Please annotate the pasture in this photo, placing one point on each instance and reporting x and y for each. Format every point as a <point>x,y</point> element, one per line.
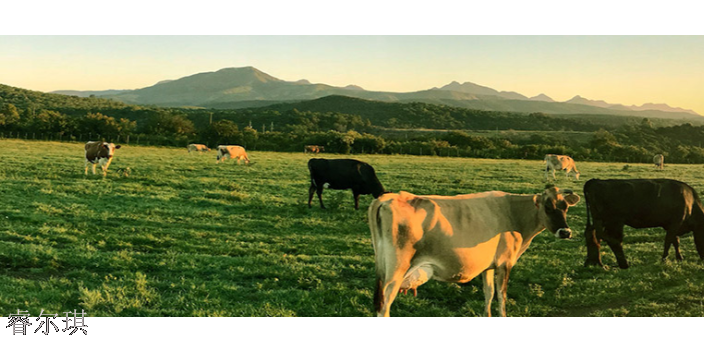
<point>183,236</point>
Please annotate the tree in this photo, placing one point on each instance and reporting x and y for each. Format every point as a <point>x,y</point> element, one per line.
<point>249,136</point>
<point>98,124</point>
<point>168,124</point>
<point>9,116</point>
<point>222,132</point>
<point>48,121</point>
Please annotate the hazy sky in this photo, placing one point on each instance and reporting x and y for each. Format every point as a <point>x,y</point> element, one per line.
<point>617,69</point>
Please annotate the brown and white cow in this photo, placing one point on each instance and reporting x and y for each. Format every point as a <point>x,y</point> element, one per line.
<point>659,161</point>
<point>560,162</point>
<point>100,153</point>
<point>454,239</point>
<point>232,152</point>
<point>197,148</point>
<point>313,149</point>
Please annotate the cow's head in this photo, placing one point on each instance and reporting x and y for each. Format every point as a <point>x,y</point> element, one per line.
<point>110,149</point>
<point>552,207</point>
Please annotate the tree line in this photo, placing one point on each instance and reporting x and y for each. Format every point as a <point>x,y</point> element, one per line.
<point>348,125</point>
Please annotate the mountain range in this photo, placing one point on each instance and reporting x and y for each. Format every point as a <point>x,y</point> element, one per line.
<point>243,87</point>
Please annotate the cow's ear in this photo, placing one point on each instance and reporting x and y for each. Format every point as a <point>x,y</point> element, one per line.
<point>536,200</point>
<point>572,199</point>
<point>118,146</point>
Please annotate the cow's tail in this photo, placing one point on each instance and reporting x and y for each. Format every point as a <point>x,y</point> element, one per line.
<point>587,195</point>
<point>697,220</point>
<point>381,241</point>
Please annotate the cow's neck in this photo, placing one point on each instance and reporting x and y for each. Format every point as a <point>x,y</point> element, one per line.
<point>526,219</point>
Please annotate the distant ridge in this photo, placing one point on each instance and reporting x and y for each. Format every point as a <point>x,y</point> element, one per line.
<point>241,87</point>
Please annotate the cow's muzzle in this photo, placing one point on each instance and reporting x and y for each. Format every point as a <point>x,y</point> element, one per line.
<point>563,233</point>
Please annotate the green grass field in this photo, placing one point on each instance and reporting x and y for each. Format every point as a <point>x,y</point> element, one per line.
<point>183,236</point>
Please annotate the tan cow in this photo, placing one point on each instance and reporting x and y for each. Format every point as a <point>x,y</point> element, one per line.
<point>232,152</point>
<point>313,149</point>
<point>100,153</point>
<point>197,148</point>
<point>454,239</point>
<point>560,162</point>
<point>659,161</point>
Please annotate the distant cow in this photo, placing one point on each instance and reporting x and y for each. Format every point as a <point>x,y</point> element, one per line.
<point>659,161</point>
<point>100,153</point>
<point>232,152</point>
<point>197,148</point>
<point>343,174</point>
<point>560,162</point>
<point>313,149</point>
<point>640,203</point>
<point>454,239</point>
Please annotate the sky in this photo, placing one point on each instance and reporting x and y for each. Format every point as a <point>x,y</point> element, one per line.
<point>617,69</point>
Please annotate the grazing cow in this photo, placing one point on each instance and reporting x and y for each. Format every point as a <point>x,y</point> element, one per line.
<point>197,148</point>
<point>313,149</point>
<point>560,162</point>
<point>343,174</point>
<point>454,239</point>
<point>659,161</point>
<point>232,152</point>
<point>100,153</point>
<point>640,203</point>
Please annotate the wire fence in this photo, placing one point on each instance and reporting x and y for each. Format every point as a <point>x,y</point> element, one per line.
<point>139,139</point>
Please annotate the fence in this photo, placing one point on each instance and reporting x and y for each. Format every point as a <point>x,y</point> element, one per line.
<point>139,139</point>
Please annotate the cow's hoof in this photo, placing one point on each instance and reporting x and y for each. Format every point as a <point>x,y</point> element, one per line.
<point>623,266</point>
<point>593,263</point>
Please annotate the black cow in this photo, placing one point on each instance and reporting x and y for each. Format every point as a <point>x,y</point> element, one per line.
<point>343,174</point>
<point>640,203</point>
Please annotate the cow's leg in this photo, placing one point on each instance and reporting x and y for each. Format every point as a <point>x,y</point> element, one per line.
<point>94,165</point>
<point>104,164</point>
<point>390,290</point>
<point>614,238</point>
<point>676,244</point>
<point>501,286</point>
<point>488,280</point>
<point>87,164</point>
<point>671,238</point>
<point>390,294</point>
<point>311,191</point>
<point>356,200</point>
<point>698,235</point>
<point>593,245</point>
<point>319,190</point>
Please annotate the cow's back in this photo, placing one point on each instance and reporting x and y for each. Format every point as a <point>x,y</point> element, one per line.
<point>338,173</point>
<point>93,151</point>
<point>639,203</point>
<point>475,217</point>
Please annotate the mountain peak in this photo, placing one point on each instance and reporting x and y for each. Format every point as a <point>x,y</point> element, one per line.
<point>248,74</point>
<point>469,87</point>
<point>542,97</point>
